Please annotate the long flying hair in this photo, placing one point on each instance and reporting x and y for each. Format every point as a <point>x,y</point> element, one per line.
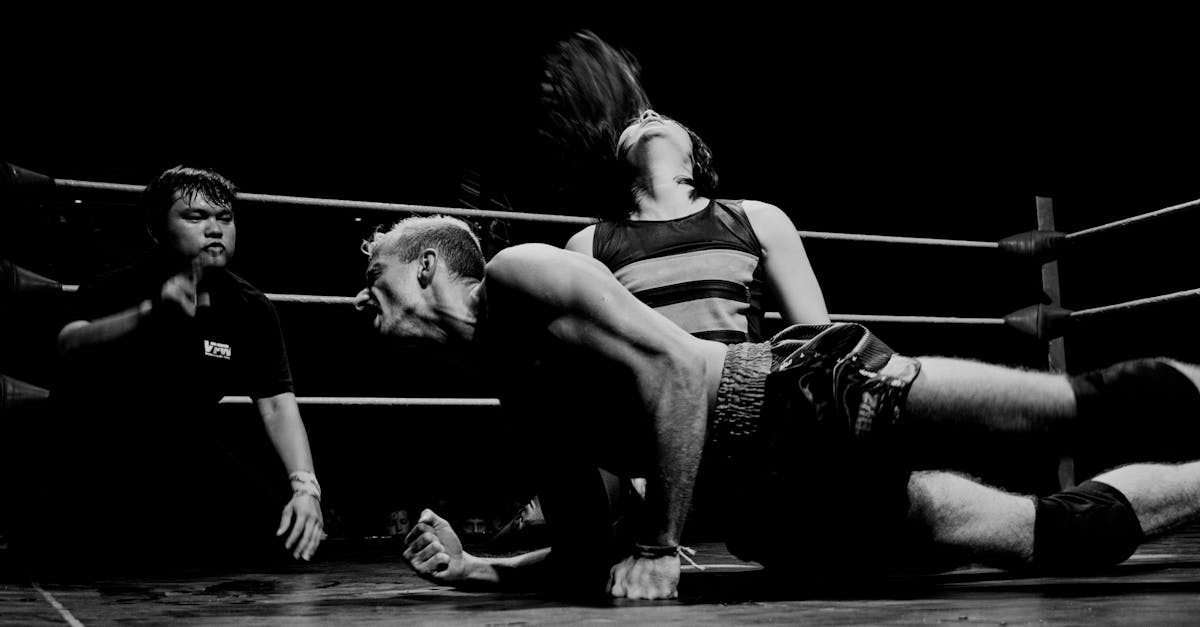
<point>590,92</point>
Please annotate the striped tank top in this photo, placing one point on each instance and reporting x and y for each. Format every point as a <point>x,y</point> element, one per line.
<point>703,271</point>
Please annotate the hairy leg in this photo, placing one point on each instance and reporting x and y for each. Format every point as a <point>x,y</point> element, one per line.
<point>969,393</point>
<point>959,392</point>
<point>1162,495</point>
<point>998,528</point>
<point>975,521</point>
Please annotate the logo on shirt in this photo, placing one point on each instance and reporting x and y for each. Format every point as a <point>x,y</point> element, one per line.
<point>217,349</point>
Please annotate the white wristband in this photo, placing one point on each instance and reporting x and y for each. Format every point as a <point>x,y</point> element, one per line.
<point>305,482</point>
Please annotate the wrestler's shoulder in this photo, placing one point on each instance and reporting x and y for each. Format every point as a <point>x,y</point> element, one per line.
<point>522,254</point>
<point>767,220</point>
<point>522,262</point>
<point>758,207</point>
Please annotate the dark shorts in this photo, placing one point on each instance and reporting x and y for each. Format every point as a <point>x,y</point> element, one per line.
<point>1089,526</point>
<point>1134,411</point>
<point>800,444</point>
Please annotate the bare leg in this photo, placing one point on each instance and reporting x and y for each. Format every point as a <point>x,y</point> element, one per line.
<point>959,392</point>
<point>1162,495</point>
<point>980,522</point>
<point>997,528</point>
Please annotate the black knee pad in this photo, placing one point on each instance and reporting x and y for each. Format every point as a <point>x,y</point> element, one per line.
<point>1143,410</point>
<point>1089,526</point>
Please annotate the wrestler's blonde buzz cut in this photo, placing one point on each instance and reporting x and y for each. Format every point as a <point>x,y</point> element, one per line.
<point>454,239</point>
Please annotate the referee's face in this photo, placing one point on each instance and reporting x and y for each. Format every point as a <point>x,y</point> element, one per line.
<point>197,229</point>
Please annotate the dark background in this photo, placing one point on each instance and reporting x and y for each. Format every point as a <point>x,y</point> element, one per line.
<point>936,124</point>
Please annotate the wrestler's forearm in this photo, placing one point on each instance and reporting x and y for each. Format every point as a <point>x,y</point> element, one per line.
<point>83,334</point>
<point>281,419</point>
<point>680,425</point>
<point>513,571</point>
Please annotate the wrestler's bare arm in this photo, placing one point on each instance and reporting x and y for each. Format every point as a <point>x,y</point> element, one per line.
<point>593,311</point>
<point>789,272</point>
<point>179,293</point>
<point>435,552</point>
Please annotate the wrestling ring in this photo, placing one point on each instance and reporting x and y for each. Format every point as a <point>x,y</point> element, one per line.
<point>365,581</point>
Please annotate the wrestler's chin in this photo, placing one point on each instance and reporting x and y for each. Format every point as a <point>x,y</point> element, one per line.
<point>412,341</point>
<point>397,334</point>
<point>214,257</point>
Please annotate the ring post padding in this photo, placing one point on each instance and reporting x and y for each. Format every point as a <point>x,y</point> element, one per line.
<point>16,282</point>
<point>16,181</point>
<point>1041,321</point>
<point>1038,246</point>
<point>15,394</point>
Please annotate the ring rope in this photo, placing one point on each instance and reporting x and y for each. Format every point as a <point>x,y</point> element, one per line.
<point>95,185</point>
<point>310,299</point>
<point>1165,298</point>
<point>355,204</point>
<point>913,319</point>
<point>775,315</point>
<point>368,401</point>
<point>770,315</point>
<point>513,215</point>
<point>563,219</point>
<point>896,239</point>
<point>1132,220</point>
<point>427,209</point>
<point>315,299</point>
<point>538,217</point>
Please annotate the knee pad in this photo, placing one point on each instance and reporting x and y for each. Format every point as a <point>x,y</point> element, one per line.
<point>1143,410</point>
<point>1089,526</point>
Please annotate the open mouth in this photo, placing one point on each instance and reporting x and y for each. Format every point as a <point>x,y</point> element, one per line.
<point>373,317</point>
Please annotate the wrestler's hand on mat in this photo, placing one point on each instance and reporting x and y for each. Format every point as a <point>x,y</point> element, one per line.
<point>434,550</point>
<point>645,578</point>
<point>303,515</point>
